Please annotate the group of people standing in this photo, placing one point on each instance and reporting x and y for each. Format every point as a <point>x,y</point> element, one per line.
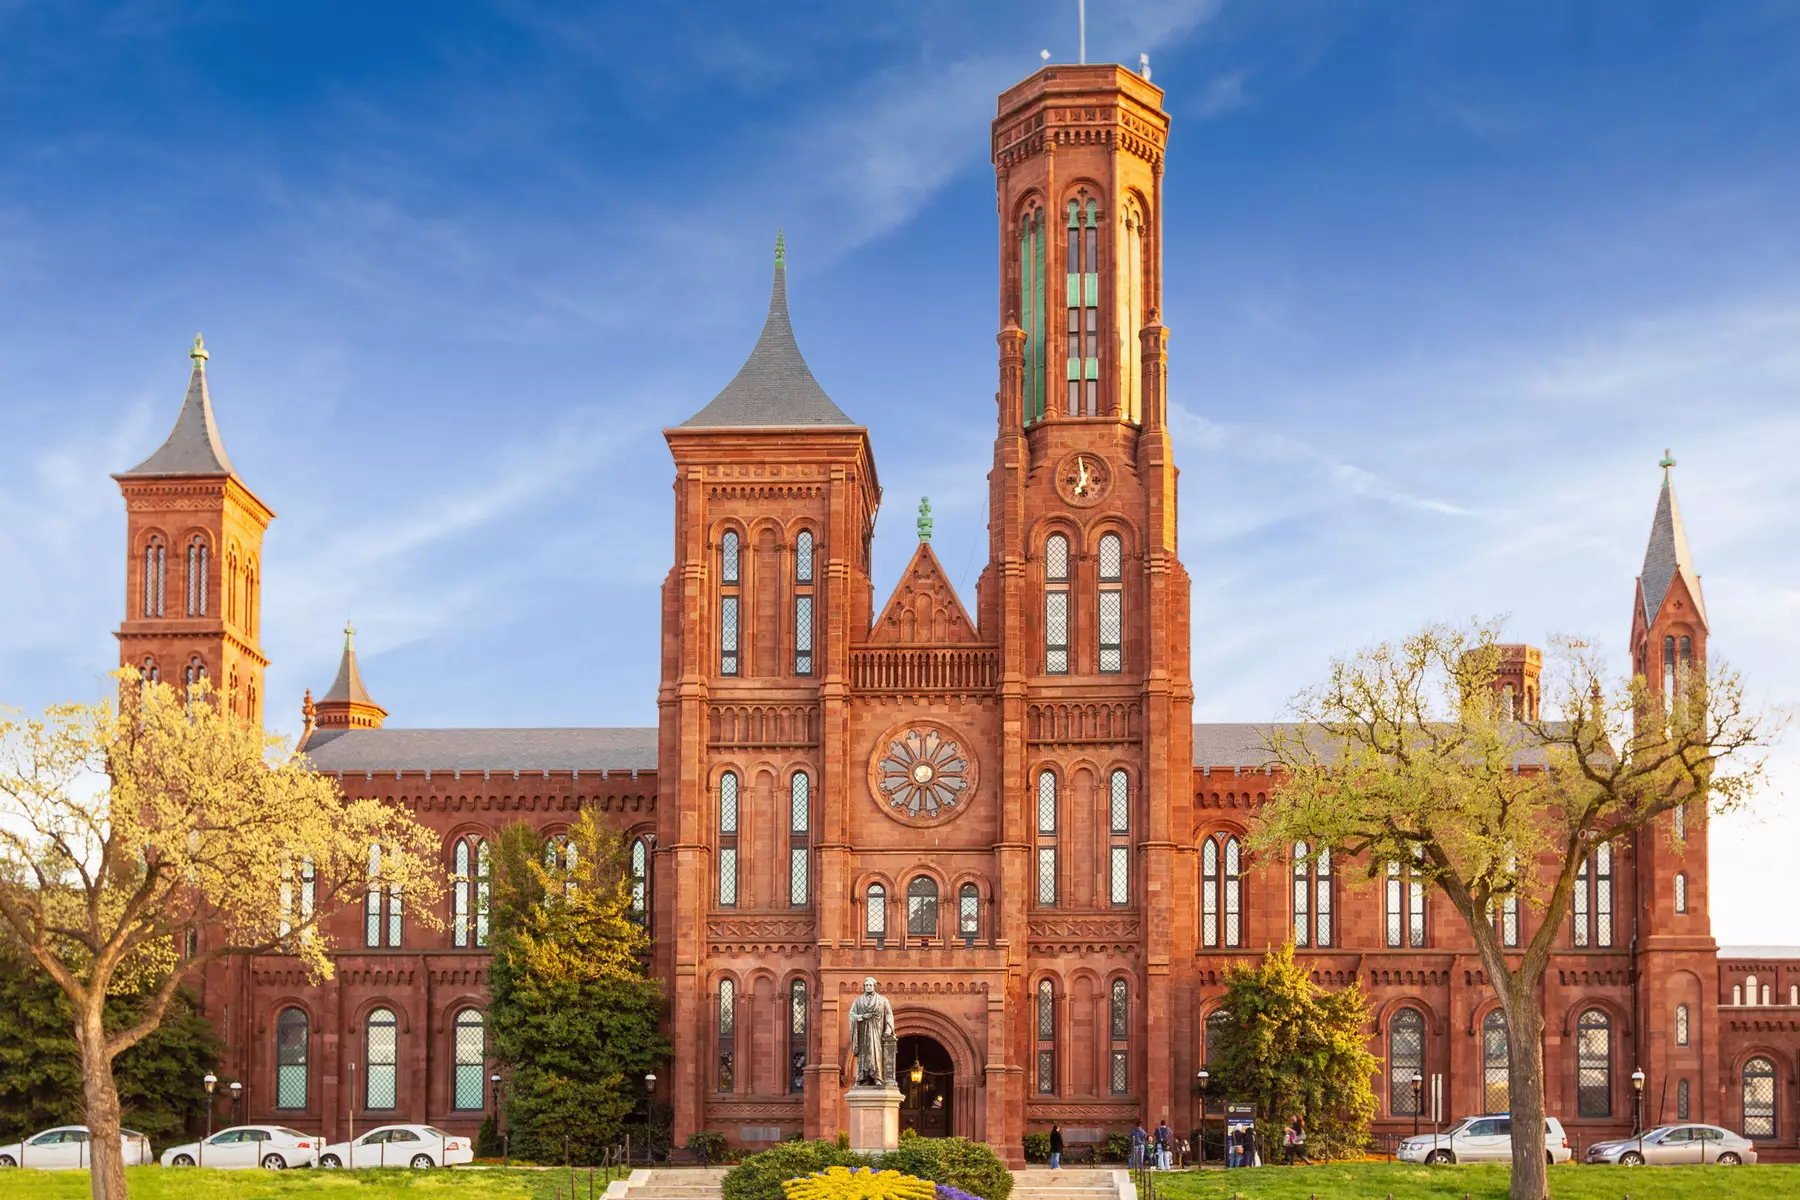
<point>1158,1150</point>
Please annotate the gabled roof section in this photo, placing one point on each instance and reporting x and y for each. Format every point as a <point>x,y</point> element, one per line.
<point>193,447</point>
<point>923,608</point>
<point>774,388</point>
<point>1666,558</point>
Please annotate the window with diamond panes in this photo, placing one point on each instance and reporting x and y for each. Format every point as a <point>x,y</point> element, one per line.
<point>1046,1036</point>
<point>1209,893</point>
<point>1112,604</point>
<point>968,910</point>
<point>1681,1100</point>
<point>197,567</point>
<point>921,907</point>
<point>291,1045</point>
<point>1759,1098</point>
<point>381,1047</point>
<point>1119,793</point>
<point>1681,1024</point>
<point>1312,896</point>
<point>799,845</point>
<point>1405,894</point>
<point>1593,907</point>
<point>1680,892</point>
<point>1593,1064</point>
<point>467,1092</point>
<point>1046,823</point>
<point>1056,605</point>
<point>728,840</point>
<point>297,885</point>
<point>469,893</point>
<point>1406,1058</point>
<point>1121,1035</point>
<point>875,919</point>
<point>727,1034</point>
<point>383,918</point>
<point>1496,1059</point>
<point>640,880</point>
<point>729,599</point>
<point>155,576</point>
<point>803,603</point>
<point>797,1037</point>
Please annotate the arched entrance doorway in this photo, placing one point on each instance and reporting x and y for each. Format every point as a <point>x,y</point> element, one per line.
<point>927,1100</point>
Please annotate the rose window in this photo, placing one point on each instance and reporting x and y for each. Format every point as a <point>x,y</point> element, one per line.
<point>923,773</point>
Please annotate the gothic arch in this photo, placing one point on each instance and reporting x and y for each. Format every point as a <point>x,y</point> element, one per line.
<point>1434,1021</point>
<point>359,1016</point>
<point>1615,1011</point>
<point>946,1031</point>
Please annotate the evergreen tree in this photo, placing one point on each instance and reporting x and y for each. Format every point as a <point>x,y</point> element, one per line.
<point>573,1012</point>
<point>1295,1049</point>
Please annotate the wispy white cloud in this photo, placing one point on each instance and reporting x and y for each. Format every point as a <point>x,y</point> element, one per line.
<point>1225,93</point>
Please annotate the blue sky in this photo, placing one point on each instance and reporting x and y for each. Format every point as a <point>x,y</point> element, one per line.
<point>1444,279</point>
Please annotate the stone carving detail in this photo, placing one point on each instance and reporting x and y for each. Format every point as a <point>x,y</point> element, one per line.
<point>922,773</point>
<point>760,929</point>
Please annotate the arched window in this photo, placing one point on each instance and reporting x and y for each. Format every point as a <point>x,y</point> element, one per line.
<point>155,576</point>
<point>728,840</point>
<point>1794,993</point>
<point>381,1049</point>
<point>297,885</point>
<point>1057,617</point>
<point>727,1033</point>
<point>1046,1038</point>
<point>195,674</point>
<point>196,577</point>
<point>922,907</point>
<point>1209,893</point>
<point>1312,896</point>
<point>803,603</point>
<point>382,909</point>
<point>1111,612</point>
<point>1681,1100</point>
<point>1046,827</point>
<point>1406,1058</point>
<point>290,1059</point>
<point>467,1088</point>
<point>1121,1038</point>
<point>1593,1064</point>
<point>799,839</point>
<point>797,1037</point>
<point>469,892</point>
<point>1405,894</point>
<point>1031,310</point>
<point>1765,995</point>
<point>1680,892</point>
<point>1221,890</point>
<point>640,880</point>
<point>968,912</point>
<point>1083,266</point>
<point>1594,899</point>
<point>148,673</point>
<point>1749,989</point>
<point>1496,1060</point>
<point>728,603</point>
<point>1681,1024</point>
<point>1759,1098</point>
<point>1668,687</point>
<point>1737,993</point>
<point>1218,1025</point>
<point>875,918</point>
<point>1678,816</point>
<point>1119,862</point>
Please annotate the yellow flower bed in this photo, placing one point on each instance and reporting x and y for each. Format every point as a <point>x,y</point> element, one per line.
<point>842,1183</point>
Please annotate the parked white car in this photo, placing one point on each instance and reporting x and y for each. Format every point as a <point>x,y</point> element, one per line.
<point>65,1148</point>
<point>400,1146</point>
<point>273,1146</point>
<point>1480,1139</point>
<point>1676,1144</point>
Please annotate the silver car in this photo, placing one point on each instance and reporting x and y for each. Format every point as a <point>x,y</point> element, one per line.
<point>1675,1144</point>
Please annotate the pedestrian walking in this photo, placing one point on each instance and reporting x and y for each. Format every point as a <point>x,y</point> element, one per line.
<point>1139,1136</point>
<point>1163,1136</point>
<point>1056,1147</point>
<point>1296,1143</point>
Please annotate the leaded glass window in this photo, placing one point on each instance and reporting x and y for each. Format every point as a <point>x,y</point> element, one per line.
<point>1593,1064</point>
<point>1302,896</point>
<point>797,1037</point>
<point>1681,1100</point>
<point>728,840</point>
<point>728,557</point>
<point>381,1059</point>
<point>291,1044</point>
<point>803,559</point>
<point>1046,823</point>
<point>968,910</point>
<point>1759,1098</point>
<point>728,635</point>
<point>1680,892</point>
<point>469,892</point>
<point>155,576</point>
<point>1046,875</point>
<point>1396,913</point>
<point>1121,802</point>
<point>1603,895</point>
<point>727,1034</point>
<point>1046,1036</point>
<point>1583,909</point>
<point>1056,605</point>
<point>468,1089</point>
<point>875,920</point>
<point>1209,893</point>
<point>640,880</point>
<point>1234,890</point>
<point>1406,1058</point>
<point>922,907</point>
<point>1678,816</point>
<point>382,910</point>
<point>1111,612</point>
<point>1218,1026</point>
<point>1121,1037</point>
<point>1496,1059</point>
<point>196,578</point>
<point>799,848</point>
<point>1119,868</point>
<point>803,634</point>
<point>1681,1024</point>
<point>1032,304</point>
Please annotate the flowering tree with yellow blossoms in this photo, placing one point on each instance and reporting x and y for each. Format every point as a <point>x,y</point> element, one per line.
<point>128,827</point>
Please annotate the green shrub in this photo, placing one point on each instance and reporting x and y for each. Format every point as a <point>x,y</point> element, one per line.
<point>711,1144</point>
<point>958,1162</point>
<point>1037,1147</point>
<point>760,1176</point>
<point>487,1142</point>
<point>1117,1147</point>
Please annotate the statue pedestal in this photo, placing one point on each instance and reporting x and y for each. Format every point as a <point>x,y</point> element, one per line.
<point>874,1119</point>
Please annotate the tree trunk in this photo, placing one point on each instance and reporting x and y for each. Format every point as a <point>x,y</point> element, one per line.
<point>104,1150</point>
<point>1525,1080</point>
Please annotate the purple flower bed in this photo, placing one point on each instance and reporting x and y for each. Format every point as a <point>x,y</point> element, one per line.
<point>946,1192</point>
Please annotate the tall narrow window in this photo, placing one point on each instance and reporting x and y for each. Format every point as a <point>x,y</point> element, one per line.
<point>1681,1100</point>
<point>155,576</point>
<point>1234,890</point>
<point>1678,817</point>
<point>803,603</point>
<point>1496,1059</point>
<point>1594,899</point>
<point>382,915</point>
<point>922,907</point>
<point>290,1059</point>
<point>727,1034</point>
<point>1112,604</point>
<point>640,880</point>
<point>1415,901</point>
<point>1681,1024</point>
<point>1031,311</point>
<point>462,890</point>
<point>1583,905</point>
<point>1056,605</point>
<point>1312,896</point>
<point>1129,271</point>
<point>1593,1064</point>
<point>1680,892</point>
<point>1302,897</point>
<point>196,577</point>
<point>1046,827</point>
<point>1046,1038</point>
<point>1121,1038</point>
<point>1509,921</point>
<point>381,1048</point>
<point>799,839</point>
<point>1406,1058</point>
<point>1120,848</point>
<point>728,840</point>
<point>1083,268</point>
<point>467,1088</point>
<point>1668,687</point>
<point>875,914</point>
<point>1209,893</point>
<point>797,1037</point>
<point>1396,905</point>
<point>1218,1025</point>
<point>968,911</point>
<point>1749,989</point>
<point>1759,1098</point>
<point>729,600</point>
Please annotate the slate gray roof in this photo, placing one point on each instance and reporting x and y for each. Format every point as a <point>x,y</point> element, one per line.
<point>193,446</point>
<point>1667,556</point>
<point>774,388</point>
<point>349,750</point>
<point>1234,745</point>
<point>1759,952</point>
<point>349,685</point>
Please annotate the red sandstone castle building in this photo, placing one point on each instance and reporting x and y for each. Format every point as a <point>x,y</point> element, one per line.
<point>1003,811</point>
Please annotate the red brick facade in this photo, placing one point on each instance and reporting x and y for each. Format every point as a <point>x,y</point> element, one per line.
<point>1007,817</point>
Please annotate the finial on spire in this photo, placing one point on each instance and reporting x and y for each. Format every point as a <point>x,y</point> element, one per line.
<point>780,249</point>
<point>349,635</point>
<point>1667,461</point>
<point>924,518</point>
<point>198,353</point>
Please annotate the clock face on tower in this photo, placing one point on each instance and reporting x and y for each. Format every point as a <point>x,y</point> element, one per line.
<point>920,773</point>
<point>1083,478</point>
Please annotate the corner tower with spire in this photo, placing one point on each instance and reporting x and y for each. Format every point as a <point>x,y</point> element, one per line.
<point>193,576</point>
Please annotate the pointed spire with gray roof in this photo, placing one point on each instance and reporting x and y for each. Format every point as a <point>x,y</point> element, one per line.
<point>348,705</point>
<point>193,447</point>
<point>774,388</point>
<point>1666,558</point>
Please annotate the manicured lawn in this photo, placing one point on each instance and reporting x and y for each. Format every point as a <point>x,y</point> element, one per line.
<point>157,1183</point>
<point>1376,1181</point>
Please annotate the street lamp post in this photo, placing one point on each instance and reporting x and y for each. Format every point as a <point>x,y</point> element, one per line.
<point>1637,1106</point>
<point>237,1094</point>
<point>209,1081</point>
<point>649,1111</point>
<point>1418,1087</point>
<point>499,1121</point>
<point>1200,1078</point>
